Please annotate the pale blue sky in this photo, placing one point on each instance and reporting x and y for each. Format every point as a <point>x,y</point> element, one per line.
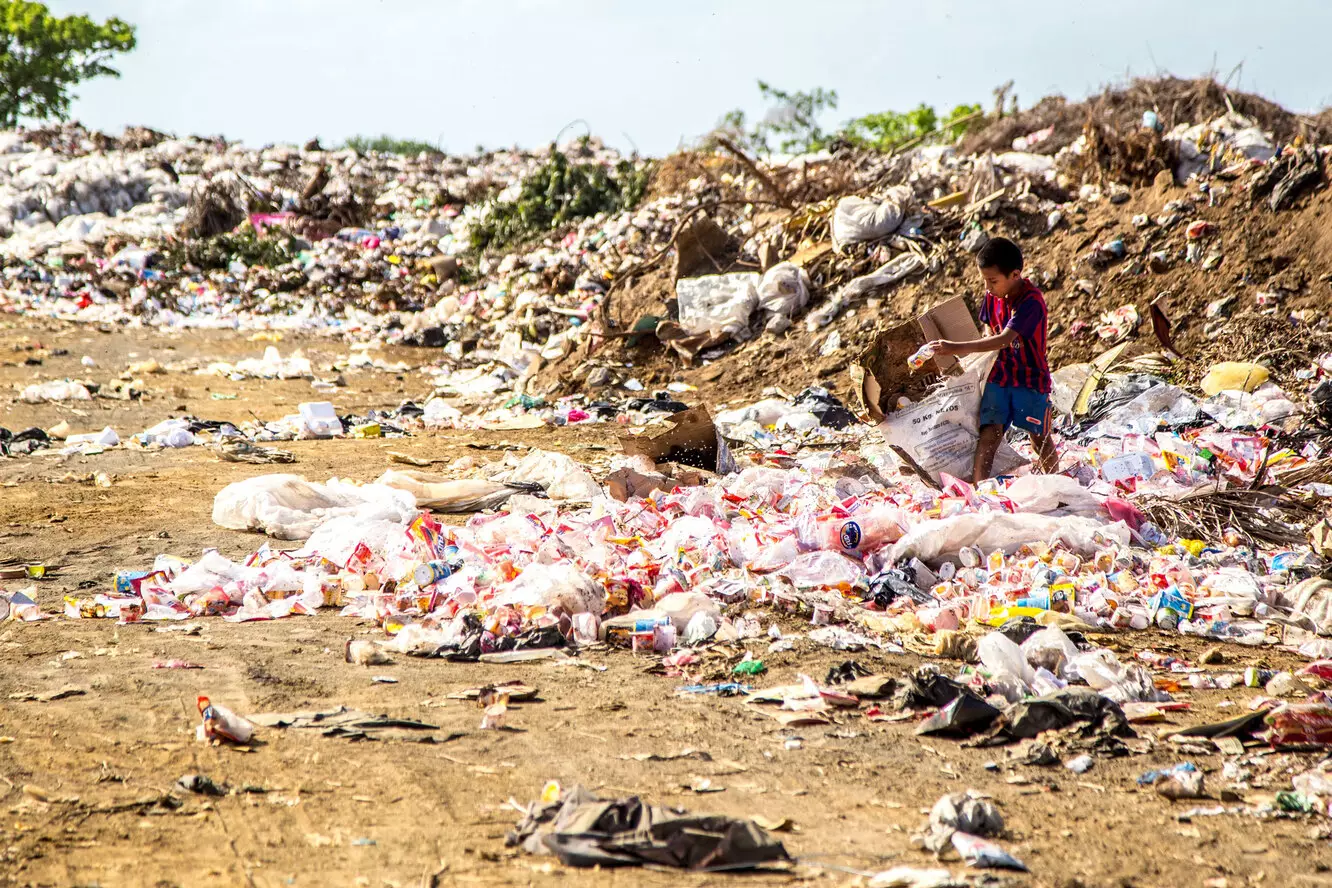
<point>507,72</point>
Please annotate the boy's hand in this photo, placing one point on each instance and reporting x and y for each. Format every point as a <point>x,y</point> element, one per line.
<point>942,347</point>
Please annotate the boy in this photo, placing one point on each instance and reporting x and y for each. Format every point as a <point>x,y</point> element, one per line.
<point>1018,390</point>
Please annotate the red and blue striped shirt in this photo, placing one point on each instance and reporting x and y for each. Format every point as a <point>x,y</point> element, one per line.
<point>1023,364</point>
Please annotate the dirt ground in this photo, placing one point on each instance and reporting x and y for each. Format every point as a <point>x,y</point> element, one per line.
<point>87,792</point>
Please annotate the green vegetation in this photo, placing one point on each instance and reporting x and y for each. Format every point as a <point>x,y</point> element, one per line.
<point>889,130</point>
<point>45,56</point>
<point>220,250</point>
<point>386,144</point>
<point>557,193</point>
<point>792,125</point>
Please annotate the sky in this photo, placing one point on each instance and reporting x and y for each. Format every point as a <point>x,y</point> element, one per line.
<point>654,75</point>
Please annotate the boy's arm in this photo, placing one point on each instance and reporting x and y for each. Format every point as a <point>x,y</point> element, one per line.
<point>987,344</point>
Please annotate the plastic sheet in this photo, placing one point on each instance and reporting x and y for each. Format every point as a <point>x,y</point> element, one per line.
<point>940,539</point>
<point>288,507</point>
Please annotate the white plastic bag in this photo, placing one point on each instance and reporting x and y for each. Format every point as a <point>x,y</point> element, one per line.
<point>856,219</point>
<point>683,607</point>
<point>819,569</point>
<point>1054,494</point>
<point>1008,668</point>
<point>889,273</point>
<point>718,303</point>
<point>55,390</point>
<point>290,508</point>
<point>1051,649</point>
<point>940,431</point>
<point>561,586</point>
<point>784,289</point>
<point>561,476</point>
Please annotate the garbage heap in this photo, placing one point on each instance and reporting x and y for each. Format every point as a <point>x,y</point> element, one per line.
<point>547,272</point>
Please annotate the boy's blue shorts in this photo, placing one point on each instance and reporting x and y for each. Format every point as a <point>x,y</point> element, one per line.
<point>1008,405</point>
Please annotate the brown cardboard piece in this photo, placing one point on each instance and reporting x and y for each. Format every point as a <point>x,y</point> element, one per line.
<point>881,375</point>
<point>689,438</point>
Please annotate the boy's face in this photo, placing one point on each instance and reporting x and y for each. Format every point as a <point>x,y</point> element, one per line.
<point>1000,284</point>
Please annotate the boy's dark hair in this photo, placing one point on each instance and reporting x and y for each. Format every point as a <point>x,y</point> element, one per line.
<point>1000,253</point>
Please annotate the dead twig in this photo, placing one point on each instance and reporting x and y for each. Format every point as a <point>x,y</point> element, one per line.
<point>778,194</point>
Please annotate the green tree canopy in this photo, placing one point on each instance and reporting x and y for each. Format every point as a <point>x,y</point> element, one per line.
<point>44,56</point>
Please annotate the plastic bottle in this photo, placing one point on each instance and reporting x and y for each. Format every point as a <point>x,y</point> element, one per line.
<point>220,723</point>
<point>921,357</point>
<point>862,533</point>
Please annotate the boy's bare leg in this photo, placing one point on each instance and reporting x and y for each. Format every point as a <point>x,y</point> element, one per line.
<point>986,447</point>
<point>1047,458</point>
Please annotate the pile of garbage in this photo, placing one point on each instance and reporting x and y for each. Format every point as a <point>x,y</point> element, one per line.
<point>719,251</point>
<point>1171,512</point>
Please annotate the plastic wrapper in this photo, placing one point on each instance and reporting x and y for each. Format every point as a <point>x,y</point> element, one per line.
<point>1300,723</point>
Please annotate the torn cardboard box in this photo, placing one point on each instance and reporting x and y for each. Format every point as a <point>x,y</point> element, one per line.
<point>688,438</point>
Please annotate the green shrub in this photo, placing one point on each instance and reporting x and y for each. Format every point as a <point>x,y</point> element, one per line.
<point>557,193</point>
<point>387,144</point>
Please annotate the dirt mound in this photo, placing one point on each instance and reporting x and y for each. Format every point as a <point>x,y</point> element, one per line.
<point>1175,101</point>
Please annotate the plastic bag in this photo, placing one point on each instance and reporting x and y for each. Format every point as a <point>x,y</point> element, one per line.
<point>558,587</point>
<point>1007,666</point>
<point>784,289</point>
<point>940,432</point>
<point>562,477</point>
<point>889,273</point>
<point>718,303</point>
<point>818,569</point>
<point>1312,599</point>
<point>1233,376</point>
<point>1054,494</point>
<point>290,508</point>
<point>55,390</point>
<point>1049,648</point>
<point>856,219</point>
<point>338,538</point>
<point>682,607</point>
<point>1159,405</point>
<point>1103,671</point>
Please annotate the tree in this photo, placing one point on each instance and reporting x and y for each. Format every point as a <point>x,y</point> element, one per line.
<point>43,56</point>
<point>791,124</point>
